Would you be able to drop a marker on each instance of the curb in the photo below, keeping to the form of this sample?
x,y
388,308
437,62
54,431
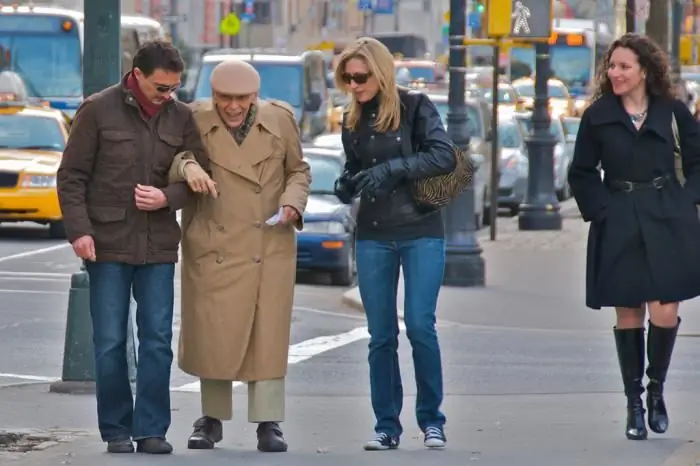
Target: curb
x,y
352,299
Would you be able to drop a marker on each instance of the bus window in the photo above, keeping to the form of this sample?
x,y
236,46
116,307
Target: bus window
x,y
45,51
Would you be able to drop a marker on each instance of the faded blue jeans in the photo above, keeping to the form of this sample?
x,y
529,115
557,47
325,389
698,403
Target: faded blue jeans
x,y
111,284
423,263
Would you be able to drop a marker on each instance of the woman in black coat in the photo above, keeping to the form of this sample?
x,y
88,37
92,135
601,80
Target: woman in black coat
x,y
644,240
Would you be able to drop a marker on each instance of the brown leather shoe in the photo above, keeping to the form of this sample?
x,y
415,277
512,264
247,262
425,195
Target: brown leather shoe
x,y
270,438
207,432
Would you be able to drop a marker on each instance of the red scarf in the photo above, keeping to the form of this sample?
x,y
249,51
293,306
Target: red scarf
x,y
148,108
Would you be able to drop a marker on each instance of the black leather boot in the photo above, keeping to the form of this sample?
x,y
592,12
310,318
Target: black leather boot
x,y
630,353
207,432
659,349
270,438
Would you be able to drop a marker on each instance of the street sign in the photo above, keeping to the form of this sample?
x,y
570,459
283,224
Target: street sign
x,y
383,7
521,19
364,5
230,25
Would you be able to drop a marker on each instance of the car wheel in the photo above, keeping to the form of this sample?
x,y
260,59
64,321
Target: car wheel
x,y
345,276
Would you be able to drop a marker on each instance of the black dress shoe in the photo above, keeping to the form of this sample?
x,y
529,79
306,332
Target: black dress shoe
x,y
120,446
207,432
270,438
154,446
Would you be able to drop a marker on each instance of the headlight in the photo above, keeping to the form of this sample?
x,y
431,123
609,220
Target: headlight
x,y
39,181
329,228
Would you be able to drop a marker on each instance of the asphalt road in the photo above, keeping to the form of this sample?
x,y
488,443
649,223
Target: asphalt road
x,y
515,395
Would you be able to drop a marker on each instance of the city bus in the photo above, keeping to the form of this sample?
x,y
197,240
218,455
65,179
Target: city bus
x,y
45,46
576,47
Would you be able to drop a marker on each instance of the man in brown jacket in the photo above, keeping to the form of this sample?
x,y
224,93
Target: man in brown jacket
x,y
119,212
239,255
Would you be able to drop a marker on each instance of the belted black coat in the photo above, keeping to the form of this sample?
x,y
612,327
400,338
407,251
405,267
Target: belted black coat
x,y
643,243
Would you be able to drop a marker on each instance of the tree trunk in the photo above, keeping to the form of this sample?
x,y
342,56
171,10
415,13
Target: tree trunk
x,y
657,24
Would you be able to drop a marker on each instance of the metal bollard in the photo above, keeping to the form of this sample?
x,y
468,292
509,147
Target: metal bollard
x,y
78,375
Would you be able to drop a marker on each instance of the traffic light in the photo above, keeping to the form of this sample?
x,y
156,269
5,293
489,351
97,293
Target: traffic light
x,y
480,7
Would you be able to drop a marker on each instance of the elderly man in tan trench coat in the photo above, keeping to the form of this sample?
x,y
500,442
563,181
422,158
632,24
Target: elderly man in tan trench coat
x,y
238,270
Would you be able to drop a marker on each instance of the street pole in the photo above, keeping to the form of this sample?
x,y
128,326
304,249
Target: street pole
x,y
676,26
464,265
174,36
397,18
102,59
630,16
540,209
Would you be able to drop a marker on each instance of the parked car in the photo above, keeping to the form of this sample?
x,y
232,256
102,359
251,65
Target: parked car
x,y
514,165
563,153
327,241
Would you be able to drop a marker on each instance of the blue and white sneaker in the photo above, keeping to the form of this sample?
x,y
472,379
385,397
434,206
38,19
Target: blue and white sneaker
x,y
434,437
382,441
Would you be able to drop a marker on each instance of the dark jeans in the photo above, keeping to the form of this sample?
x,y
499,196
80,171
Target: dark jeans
x,y
111,285
423,263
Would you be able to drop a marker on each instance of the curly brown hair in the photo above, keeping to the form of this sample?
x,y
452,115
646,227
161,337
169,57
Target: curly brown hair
x,y
652,59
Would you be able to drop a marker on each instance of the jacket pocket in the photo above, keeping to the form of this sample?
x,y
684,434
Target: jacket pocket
x,y
118,146
111,228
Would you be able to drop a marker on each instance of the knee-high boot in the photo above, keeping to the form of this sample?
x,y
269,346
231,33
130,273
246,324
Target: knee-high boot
x,y
659,349
630,353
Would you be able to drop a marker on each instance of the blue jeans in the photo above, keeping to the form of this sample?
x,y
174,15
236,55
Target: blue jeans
x,y
423,263
111,285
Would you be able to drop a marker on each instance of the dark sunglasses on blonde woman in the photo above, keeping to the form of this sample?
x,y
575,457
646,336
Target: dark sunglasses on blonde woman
x,y
359,78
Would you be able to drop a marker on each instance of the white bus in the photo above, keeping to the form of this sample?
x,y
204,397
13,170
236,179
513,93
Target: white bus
x,y
45,46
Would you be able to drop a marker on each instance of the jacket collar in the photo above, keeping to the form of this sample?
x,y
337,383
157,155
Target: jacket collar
x,y
609,109
209,119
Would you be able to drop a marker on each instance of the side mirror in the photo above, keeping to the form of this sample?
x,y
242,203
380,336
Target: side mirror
x,y
313,102
184,95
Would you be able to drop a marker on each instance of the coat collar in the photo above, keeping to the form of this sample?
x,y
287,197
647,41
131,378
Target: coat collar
x,y
609,109
209,119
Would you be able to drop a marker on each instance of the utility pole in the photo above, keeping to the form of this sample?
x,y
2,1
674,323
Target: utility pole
x,y
630,16
657,23
174,18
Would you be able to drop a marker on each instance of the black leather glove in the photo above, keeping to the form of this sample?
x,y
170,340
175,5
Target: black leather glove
x,y
344,188
381,178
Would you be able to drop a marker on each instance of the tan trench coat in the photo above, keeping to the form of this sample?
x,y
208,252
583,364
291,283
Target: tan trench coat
x,y
238,274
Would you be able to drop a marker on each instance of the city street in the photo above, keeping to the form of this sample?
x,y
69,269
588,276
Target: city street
x,y
531,376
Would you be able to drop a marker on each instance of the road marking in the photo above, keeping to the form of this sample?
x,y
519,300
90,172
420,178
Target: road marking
x,y
301,352
33,252
329,313
24,275
36,378
6,290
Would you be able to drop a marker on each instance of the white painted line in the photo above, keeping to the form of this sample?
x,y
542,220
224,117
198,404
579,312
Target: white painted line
x,y
36,378
302,351
22,275
31,291
33,252
342,315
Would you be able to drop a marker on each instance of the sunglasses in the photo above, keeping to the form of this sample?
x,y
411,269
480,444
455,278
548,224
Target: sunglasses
x,y
162,88
359,78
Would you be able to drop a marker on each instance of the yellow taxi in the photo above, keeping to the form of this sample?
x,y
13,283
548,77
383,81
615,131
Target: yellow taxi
x,y
32,140
560,101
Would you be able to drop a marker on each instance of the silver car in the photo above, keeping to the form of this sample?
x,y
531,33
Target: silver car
x,y
514,165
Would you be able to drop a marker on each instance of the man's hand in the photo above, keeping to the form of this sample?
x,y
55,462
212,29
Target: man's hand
x,y
84,248
289,215
149,198
199,181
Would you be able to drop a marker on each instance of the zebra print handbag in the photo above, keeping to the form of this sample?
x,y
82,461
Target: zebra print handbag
x,y
437,192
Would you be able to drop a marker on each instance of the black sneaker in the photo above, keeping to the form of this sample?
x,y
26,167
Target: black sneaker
x,y
382,441
434,437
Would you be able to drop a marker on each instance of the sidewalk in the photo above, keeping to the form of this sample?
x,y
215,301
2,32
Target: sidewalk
x,y
533,280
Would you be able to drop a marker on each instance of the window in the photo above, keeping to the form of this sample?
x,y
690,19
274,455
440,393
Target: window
x,y
555,128
25,132
279,81
262,10
509,135
324,172
474,125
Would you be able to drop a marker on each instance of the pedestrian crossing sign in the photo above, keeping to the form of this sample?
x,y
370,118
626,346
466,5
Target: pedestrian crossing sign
x,y
230,25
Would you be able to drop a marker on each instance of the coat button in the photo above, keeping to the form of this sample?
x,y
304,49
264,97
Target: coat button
x,y
372,136
257,224
373,115
374,160
256,259
220,227
219,259
398,138
375,223
257,190
373,199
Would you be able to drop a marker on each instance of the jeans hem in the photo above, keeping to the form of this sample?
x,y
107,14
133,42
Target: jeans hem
x,y
115,438
144,437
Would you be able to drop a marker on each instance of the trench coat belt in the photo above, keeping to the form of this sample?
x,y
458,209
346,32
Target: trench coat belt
x,y
629,186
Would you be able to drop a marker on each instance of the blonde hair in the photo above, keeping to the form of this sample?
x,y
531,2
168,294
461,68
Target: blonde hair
x,y
380,63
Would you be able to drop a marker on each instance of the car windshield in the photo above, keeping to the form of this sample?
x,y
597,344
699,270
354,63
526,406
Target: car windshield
x,y
278,81
30,132
570,64
324,171
48,59
555,128
509,135
473,118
